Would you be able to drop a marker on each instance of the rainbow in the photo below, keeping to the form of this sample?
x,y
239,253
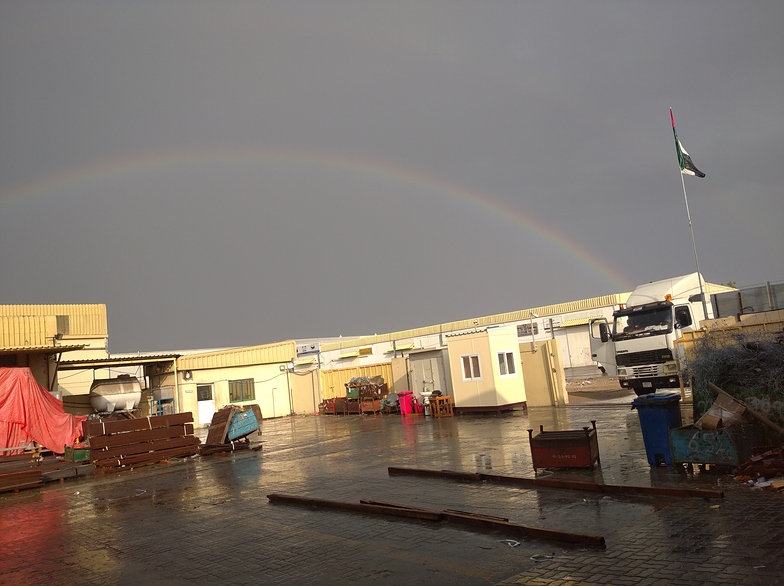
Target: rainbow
x,y
150,161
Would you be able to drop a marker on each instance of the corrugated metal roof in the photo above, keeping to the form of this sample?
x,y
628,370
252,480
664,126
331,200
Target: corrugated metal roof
x,y
513,316
116,361
466,333
41,349
279,352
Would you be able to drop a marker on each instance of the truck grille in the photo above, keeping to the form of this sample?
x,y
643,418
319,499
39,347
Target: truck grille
x,y
645,371
648,357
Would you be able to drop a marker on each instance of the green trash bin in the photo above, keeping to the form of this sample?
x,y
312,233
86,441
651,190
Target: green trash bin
x,y
658,412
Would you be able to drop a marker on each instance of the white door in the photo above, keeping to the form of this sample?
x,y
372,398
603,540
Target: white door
x,y
206,404
602,346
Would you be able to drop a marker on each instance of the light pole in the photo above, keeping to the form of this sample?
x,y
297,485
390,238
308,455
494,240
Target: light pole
x,y
533,339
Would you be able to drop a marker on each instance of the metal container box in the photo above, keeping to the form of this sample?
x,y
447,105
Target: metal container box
x,y
727,446
564,449
243,423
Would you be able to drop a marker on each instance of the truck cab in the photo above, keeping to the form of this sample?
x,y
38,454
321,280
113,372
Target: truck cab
x,y
639,345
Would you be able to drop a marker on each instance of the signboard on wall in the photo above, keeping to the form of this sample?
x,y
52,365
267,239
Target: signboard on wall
x,y
307,349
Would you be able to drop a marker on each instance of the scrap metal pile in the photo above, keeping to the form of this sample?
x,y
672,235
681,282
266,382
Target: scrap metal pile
x,y
363,395
749,367
738,383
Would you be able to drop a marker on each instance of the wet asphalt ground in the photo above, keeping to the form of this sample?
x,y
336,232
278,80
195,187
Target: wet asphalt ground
x,y
208,520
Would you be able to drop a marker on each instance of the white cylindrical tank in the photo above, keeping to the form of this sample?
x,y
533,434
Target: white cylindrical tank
x,y
115,394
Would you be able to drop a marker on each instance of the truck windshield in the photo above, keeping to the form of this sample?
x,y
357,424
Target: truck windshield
x,y
643,323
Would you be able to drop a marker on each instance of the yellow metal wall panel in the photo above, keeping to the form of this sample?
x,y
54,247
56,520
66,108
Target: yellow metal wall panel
x,y
27,330
84,320
333,382
265,354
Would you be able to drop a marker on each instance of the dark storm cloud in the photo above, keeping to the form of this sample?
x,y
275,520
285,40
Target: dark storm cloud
x,y
241,173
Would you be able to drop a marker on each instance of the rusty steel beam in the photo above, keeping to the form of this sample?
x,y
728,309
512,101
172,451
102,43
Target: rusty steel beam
x,y
461,517
394,511
565,484
96,427
472,476
498,524
137,437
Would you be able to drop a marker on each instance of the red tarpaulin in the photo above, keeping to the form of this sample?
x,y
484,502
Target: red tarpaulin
x,y
28,412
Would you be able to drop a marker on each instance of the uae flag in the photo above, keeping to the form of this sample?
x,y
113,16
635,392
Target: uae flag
x,y
684,160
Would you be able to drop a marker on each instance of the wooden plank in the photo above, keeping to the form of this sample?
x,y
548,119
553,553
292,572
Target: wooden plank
x,y
143,447
137,437
97,427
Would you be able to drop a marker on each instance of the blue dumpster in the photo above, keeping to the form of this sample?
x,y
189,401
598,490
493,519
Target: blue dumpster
x,y
658,412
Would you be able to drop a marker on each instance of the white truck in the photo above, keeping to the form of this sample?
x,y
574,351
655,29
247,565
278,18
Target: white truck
x,y
638,347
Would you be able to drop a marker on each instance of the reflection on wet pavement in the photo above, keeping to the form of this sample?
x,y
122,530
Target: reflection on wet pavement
x,y
208,520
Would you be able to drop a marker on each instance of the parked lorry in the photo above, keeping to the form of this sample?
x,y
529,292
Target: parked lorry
x,y
639,345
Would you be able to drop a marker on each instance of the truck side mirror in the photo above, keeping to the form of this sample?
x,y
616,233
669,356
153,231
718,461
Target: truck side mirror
x,y
604,333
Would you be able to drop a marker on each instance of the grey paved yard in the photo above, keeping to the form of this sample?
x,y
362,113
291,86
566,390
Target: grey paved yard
x,y
208,521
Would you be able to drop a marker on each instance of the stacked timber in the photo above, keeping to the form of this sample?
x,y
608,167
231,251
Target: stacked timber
x,y
133,442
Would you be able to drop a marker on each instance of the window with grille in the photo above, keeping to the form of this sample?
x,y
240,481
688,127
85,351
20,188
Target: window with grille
x,y
242,390
525,330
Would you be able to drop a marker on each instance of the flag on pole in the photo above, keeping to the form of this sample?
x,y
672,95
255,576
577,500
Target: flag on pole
x,y
684,160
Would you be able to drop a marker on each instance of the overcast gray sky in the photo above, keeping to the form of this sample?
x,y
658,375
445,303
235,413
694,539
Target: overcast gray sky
x,y
235,173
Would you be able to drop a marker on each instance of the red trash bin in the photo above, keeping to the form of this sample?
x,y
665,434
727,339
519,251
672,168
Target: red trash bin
x,y
406,402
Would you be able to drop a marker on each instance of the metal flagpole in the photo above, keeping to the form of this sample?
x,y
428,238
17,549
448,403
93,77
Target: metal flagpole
x,y
694,245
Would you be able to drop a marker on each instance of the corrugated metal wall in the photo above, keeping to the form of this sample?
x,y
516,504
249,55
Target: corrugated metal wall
x,y
83,320
27,330
266,354
333,382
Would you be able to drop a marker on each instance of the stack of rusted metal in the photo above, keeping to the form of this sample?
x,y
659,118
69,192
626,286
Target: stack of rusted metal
x,y
18,472
133,442
36,467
